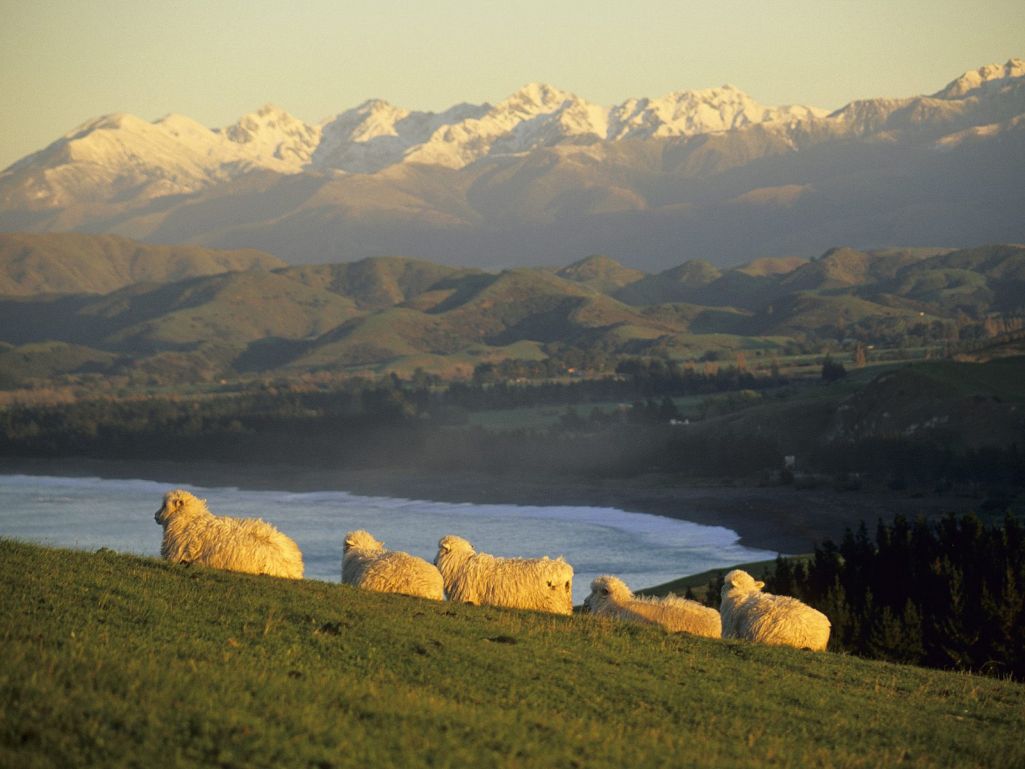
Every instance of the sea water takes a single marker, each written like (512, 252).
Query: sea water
(644, 550)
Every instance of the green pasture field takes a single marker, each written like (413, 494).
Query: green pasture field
(546, 417)
(119, 661)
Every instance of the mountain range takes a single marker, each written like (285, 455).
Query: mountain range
(544, 177)
(197, 315)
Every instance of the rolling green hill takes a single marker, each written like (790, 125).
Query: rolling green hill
(112, 660)
(944, 404)
(395, 314)
(601, 273)
(74, 263)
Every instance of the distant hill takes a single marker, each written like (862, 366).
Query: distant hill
(601, 273)
(74, 263)
(397, 314)
(374, 283)
(678, 284)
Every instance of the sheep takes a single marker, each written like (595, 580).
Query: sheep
(366, 564)
(541, 584)
(612, 598)
(769, 619)
(193, 535)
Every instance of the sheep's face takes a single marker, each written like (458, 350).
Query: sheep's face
(559, 587)
(174, 501)
(597, 598)
(603, 589)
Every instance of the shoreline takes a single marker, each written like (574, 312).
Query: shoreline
(775, 518)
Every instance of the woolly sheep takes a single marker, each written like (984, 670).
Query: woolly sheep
(193, 535)
(611, 597)
(541, 584)
(780, 620)
(366, 564)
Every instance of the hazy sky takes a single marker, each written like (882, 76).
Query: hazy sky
(64, 61)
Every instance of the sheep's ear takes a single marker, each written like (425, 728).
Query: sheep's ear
(759, 585)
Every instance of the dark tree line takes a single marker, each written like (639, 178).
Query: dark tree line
(945, 594)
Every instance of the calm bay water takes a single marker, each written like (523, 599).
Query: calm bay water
(645, 550)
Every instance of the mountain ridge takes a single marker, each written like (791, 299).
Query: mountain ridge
(697, 174)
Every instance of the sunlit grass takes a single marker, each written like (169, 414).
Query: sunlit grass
(114, 660)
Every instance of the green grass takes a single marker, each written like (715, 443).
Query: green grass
(113, 661)
(545, 417)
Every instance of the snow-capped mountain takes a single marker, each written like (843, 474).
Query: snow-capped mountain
(377, 134)
(118, 154)
(987, 95)
(547, 173)
(686, 113)
(988, 78)
(271, 134)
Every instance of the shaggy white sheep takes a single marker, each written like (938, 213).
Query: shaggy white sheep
(611, 597)
(542, 584)
(366, 564)
(780, 620)
(193, 535)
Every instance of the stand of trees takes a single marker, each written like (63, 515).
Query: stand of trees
(948, 594)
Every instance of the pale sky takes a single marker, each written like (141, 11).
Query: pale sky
(65, 61)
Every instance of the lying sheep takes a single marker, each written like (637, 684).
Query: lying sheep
(366, 564)
(193, 535)
(541, 584)
(611, 597)
(780, 620)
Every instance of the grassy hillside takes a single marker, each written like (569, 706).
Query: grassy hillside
(393, 314)
(601, 273)
(74, 263)
(112, 661)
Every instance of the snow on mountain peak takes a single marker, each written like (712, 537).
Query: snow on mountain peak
(686, 113)
(534, 97)
(273, 137)
(987, 76)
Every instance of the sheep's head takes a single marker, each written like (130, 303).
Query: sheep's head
(740, 581)
(361, 540)
(604, 589)
(558, 585)
(450, 543)
(176, 501)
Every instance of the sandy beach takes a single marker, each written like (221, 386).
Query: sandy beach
(778, 518)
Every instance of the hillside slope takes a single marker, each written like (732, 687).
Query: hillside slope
(398, 314)
(114, 660)
(76, 263)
